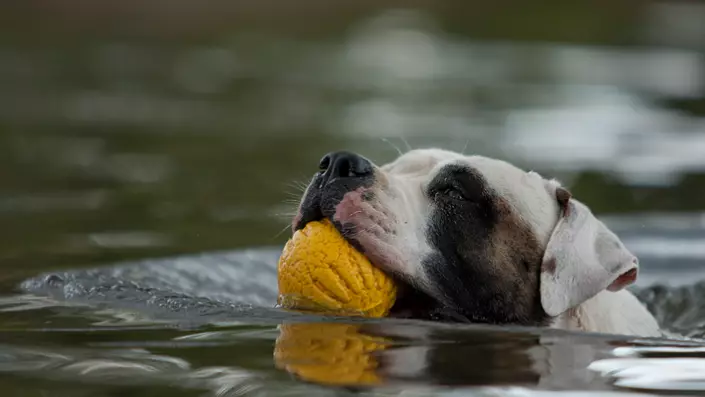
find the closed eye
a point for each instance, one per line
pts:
(449, 192)
(456, 183)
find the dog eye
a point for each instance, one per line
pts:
(451, 193)
(454, 193)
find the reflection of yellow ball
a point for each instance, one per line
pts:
(320, 271)
(329, 353)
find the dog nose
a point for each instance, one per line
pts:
(340, 165)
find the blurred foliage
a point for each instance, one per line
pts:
(145, 128)
(607, 195)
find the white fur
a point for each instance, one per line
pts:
(588, 256)
(611, 313)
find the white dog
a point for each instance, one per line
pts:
(477, 239)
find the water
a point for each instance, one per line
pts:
(150, 154)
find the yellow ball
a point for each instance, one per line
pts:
(320, 271)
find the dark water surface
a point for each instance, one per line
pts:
(151, 152)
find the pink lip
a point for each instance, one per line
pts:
(350, 206)
(368, 234)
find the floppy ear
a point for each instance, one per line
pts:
(583, 257)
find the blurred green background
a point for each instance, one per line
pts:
(151, 128)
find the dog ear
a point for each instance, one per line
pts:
(582, 258)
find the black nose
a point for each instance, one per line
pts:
(340, 165)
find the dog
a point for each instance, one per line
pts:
(477, 239)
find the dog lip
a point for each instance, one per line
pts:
(306, 217)
(347, 235)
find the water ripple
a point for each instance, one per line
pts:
(660, 368)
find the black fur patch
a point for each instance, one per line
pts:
(486, 262)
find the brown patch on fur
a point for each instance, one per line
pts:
(563, 196)
(517, 254)
(549, 266)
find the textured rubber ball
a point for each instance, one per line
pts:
(319, 271)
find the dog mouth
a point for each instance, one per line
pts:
(411, 302)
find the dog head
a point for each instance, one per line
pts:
(470, 238)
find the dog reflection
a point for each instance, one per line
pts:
(369, 355)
